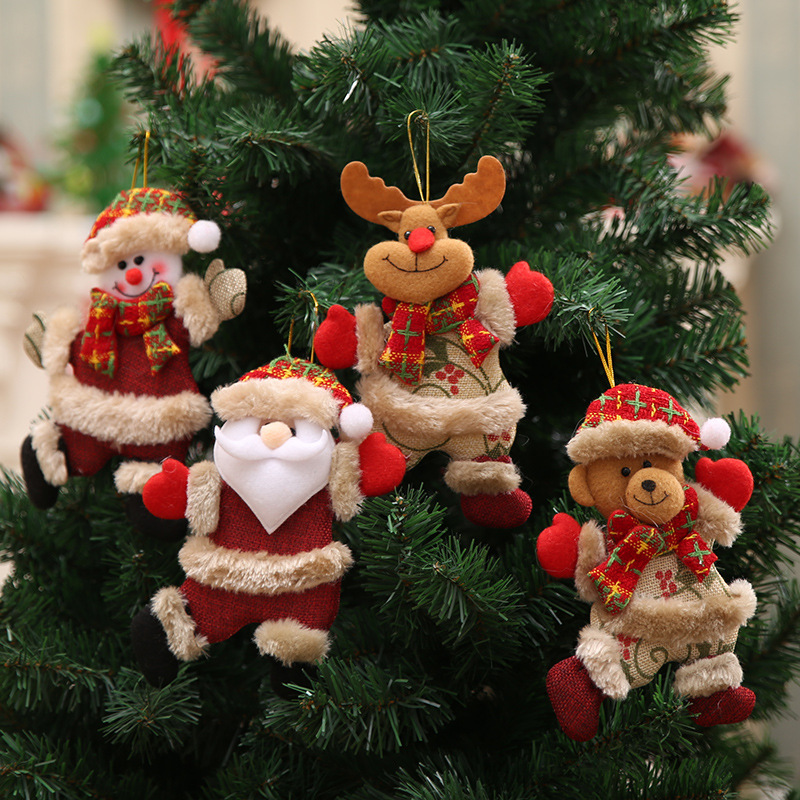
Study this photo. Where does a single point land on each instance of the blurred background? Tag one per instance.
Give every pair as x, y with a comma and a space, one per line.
63, 149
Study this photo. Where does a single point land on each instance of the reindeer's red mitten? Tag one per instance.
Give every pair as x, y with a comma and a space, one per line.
557, 546
164, 494
531, 294
729, 479
382, 465
335, 342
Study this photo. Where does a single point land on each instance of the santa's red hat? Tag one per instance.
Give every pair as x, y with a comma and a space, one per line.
145, 219
293, 388
631, 420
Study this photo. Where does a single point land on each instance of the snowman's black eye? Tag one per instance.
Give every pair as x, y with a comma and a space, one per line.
625, 471
123, 265
139, 260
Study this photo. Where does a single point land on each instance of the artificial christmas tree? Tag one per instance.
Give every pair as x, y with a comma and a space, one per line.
435, 683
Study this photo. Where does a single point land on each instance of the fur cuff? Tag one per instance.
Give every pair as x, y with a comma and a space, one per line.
45, 437
482, 477
169, 607
717, 521
345, 481
289, 641
62, 328
706, 676
600, 654
194, 307
591, 552
261, 573
494, 307
371, 338
202, 498
131, 476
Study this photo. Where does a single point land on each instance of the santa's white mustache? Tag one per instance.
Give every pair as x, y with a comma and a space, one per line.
251, 448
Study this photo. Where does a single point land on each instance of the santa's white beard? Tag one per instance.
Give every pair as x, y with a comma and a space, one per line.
273, 483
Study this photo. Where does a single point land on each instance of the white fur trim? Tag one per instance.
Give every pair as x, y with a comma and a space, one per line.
289, 641
259, 572
169, 607
355, 421
127, 418
601, 655
715, 433
45, 436
131, 476
622, 438
482, 477
706, 676
204, 236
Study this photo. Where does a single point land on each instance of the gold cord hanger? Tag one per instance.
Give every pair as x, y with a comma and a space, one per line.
424, 196
291, 324
605, 358
141, 158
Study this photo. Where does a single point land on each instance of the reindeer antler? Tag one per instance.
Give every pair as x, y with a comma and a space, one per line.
479, 193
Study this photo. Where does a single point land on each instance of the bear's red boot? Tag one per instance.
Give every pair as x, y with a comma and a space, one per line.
575, 699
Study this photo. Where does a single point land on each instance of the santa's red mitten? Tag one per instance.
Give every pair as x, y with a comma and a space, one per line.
729, 479
335, 342
531, 294
164, 494
557, 546
382, 465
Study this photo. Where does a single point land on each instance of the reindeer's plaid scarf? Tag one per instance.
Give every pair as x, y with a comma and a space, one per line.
141, 317
636, 544
404, 355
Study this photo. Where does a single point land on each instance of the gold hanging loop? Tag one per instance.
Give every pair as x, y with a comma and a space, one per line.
291, 324
424, 196
605, 358
141, 159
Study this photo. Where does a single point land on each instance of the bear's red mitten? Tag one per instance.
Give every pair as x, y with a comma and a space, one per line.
557, 546
729, 479
335, 342
382, 465
531, 294
164, 494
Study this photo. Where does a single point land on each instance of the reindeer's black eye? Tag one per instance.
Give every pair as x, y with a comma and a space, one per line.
625, 471
139, 260
431, 229
646, 464
122, 265
406, 234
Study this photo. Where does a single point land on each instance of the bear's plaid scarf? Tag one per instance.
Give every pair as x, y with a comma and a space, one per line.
404, 354
636, 544
140, 317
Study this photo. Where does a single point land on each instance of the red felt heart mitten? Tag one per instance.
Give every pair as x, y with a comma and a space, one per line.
557, 546
164, 494
335, 342
729, 479
531, 294
382, 465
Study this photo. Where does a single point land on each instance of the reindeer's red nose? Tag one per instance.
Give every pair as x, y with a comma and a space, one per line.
133, 276
421, 239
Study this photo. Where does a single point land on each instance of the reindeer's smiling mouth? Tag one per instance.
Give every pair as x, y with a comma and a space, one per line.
428, 269
651, 502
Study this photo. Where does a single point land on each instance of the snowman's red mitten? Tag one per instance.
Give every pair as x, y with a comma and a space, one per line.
382, 465
557, 546
164, 495
531, 294
729, 479
335, 342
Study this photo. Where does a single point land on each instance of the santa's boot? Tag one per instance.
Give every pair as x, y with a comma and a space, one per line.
490, 493
575, 699
41, 492
156, 661
723, 708
167, 530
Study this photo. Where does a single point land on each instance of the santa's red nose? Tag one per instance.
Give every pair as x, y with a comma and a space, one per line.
421, 239
133, 276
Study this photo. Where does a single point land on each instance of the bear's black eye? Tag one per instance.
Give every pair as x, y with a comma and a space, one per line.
406, 234
122, 265
431, 229
139, 260
646, 464
625, 471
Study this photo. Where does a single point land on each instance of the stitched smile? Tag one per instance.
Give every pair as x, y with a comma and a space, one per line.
652, 503
125, 294
429, 269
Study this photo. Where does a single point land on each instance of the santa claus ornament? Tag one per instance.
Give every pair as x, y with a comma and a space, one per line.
656, 595
260, 517
431, 375
119, 378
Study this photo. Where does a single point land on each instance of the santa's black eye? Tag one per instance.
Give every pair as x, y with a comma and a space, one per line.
123, 265
406, 234
625, 471
646, 464
139, 260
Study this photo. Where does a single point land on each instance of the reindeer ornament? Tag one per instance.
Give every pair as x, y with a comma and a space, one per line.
431, 376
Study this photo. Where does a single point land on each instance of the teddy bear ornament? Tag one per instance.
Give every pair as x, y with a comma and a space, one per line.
656, 594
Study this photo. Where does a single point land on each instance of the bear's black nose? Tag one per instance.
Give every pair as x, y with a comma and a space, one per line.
649, 486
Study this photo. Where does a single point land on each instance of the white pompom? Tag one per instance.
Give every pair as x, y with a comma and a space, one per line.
204, 236
715, 433
355, 421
